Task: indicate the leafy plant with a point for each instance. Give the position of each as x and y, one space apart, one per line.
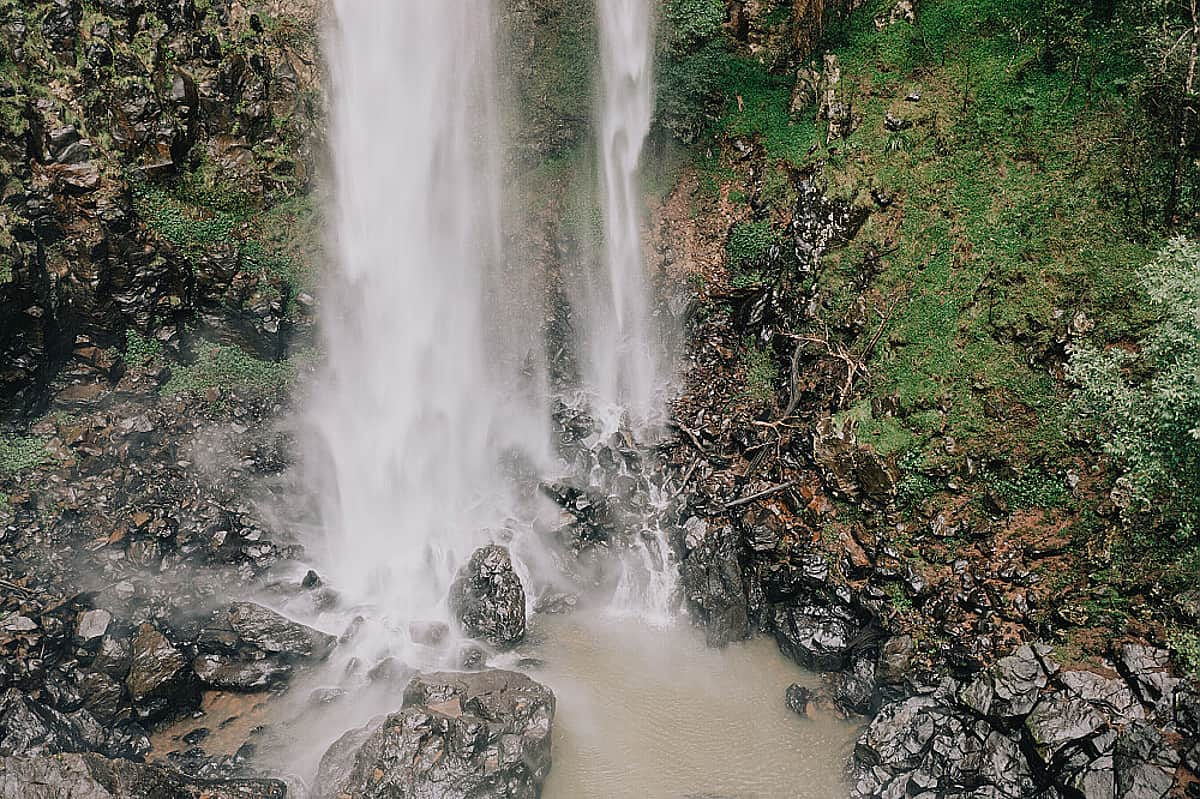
761 373
1145 406
140 350
22 453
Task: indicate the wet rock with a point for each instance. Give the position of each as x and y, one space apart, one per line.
482 735
104 697
429 633
1059 721
113 656
712 583
90 776
29 727
854 690
233 674
1144 763
488 598
274 634
1148 670
797 698
785 580
922 746
818 633
91 625
895 660
1011 687
1110 696
159 680
851 469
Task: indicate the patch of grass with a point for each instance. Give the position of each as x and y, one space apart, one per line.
21 453
188 227
1032 488
140 351
749 243
227 367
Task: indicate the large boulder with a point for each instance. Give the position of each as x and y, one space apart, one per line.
712 582
90 776
478 735
29 727
488 598
1010 688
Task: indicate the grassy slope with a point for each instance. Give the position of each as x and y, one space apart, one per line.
1002 229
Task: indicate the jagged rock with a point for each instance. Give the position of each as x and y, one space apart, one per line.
1144 763
786 579
104 697
895 660
1111 696
481 735
1059 721
1011 687
712 583
854 690
274 634
233 674
818 633
922 746
29 727
797 698
488 598
1148 669
113 657
90 776
159 680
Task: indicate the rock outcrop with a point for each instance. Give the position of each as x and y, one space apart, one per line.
480 735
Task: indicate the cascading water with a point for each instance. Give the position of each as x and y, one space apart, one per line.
622 358
434 385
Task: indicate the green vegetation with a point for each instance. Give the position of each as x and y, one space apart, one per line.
223 368
21 453
749 243
762 373
1185 645
1144 406
140 351
692 59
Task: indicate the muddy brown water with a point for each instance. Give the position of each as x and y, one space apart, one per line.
642 713
647 713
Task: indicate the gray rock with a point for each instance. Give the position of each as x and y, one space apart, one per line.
91 625
1060 720
819 633
1110 696
854 690
233 674
895 660
29 727
481 735
1148 669
90 776
1144 762
274 634
1010 688
712 585
488 599
797 698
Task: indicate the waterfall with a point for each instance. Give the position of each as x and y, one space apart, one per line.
622 358
434 384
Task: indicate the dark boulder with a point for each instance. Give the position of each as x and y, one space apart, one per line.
90 776
29 727
854 690
797 698
1010 688
819 632
482 735
235 674
1060 721
712 583
488 598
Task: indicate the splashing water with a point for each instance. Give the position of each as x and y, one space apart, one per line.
434 388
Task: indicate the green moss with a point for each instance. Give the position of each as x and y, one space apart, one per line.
21 453
749 243
762 373
1185 645
140 351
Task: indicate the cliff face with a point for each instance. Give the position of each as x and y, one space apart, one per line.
136 139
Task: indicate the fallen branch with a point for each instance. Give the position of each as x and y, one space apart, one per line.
770 492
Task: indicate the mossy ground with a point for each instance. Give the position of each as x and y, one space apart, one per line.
1002 228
